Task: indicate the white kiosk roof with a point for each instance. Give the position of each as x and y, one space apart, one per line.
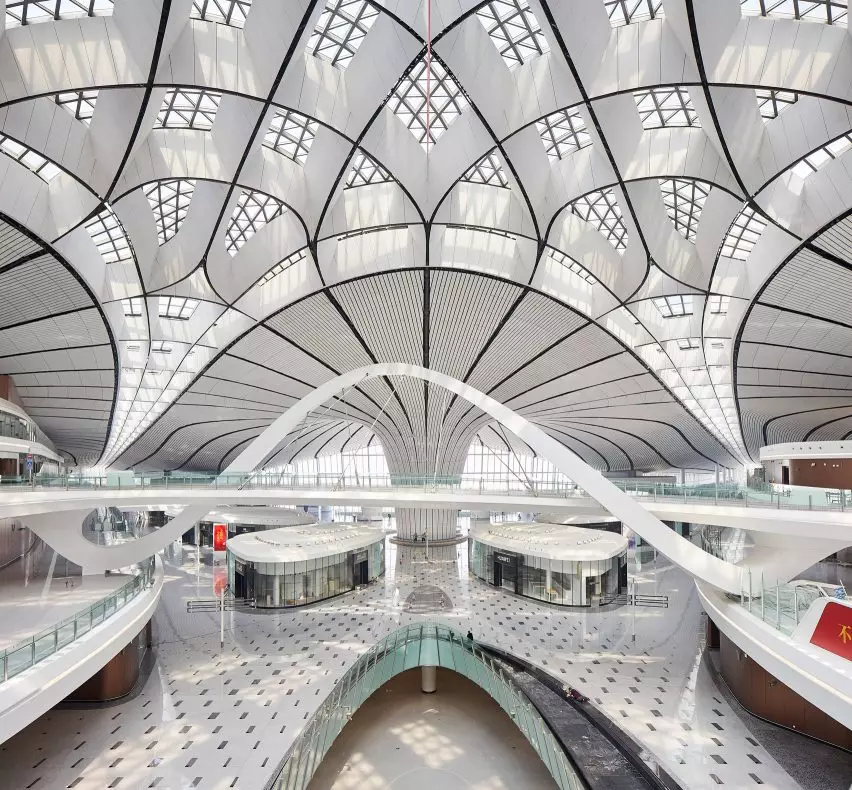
552 541
296 544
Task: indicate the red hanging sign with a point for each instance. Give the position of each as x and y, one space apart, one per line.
834 630
220 535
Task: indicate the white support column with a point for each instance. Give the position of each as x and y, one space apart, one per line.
428 679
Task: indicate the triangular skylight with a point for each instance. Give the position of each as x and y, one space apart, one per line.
488 170
341 29
408 101
514 30
253 210
365 170
684 201
169 201
601 210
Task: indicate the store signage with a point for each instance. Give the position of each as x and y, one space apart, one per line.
834 630
505 558
220 536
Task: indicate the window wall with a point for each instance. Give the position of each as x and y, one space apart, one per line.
363 466
563 582
286 584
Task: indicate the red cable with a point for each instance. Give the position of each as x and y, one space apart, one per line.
428 68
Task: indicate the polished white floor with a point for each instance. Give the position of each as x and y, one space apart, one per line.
457 737
223 719
30 603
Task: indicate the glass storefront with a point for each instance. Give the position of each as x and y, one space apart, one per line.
563 582
286 584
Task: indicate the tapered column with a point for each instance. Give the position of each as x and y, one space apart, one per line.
415 523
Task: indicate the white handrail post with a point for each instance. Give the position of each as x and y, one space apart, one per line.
222 621
749 590
796 603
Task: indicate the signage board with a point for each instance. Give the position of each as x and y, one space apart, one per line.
833 632
508 559
220 536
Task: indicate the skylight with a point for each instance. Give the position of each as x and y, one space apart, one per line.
178 308
226 12
743 234
718 304
43 168
563 133
688 343
132 307
625 12
160 347
291 134
600 209
25 12
832 12
674 306
573 266
824 154
487 170
341 30
169 201
365 170
514 30
772 103
253 211
188 108
684 201
109 237
81 104
280 268
662 107
408 102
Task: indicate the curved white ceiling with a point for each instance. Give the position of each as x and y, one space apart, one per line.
626 220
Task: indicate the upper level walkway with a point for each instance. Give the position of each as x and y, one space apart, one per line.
795 511
786 537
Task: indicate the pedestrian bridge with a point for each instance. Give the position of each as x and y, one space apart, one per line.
787 545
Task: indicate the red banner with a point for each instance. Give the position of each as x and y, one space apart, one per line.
834 630
220 535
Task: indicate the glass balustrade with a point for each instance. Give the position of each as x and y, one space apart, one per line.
426 644
31 651
785 498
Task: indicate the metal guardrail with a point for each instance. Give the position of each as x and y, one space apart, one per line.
38 647
426 644
782 498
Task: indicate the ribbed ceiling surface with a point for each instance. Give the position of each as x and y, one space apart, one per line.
626 221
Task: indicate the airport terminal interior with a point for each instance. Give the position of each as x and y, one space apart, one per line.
401 394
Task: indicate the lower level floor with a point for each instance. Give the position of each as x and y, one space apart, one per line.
216 718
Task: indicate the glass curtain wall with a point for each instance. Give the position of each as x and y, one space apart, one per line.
286 584
562 582
349 468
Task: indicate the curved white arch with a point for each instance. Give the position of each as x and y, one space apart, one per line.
714 571
54 529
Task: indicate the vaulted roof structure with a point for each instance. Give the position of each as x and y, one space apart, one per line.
625 219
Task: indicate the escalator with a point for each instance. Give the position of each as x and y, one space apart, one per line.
605 756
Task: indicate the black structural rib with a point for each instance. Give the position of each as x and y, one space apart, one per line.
606 757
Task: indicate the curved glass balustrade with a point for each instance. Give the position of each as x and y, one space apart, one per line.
785 498
14 427
45 643
427 644
779 605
